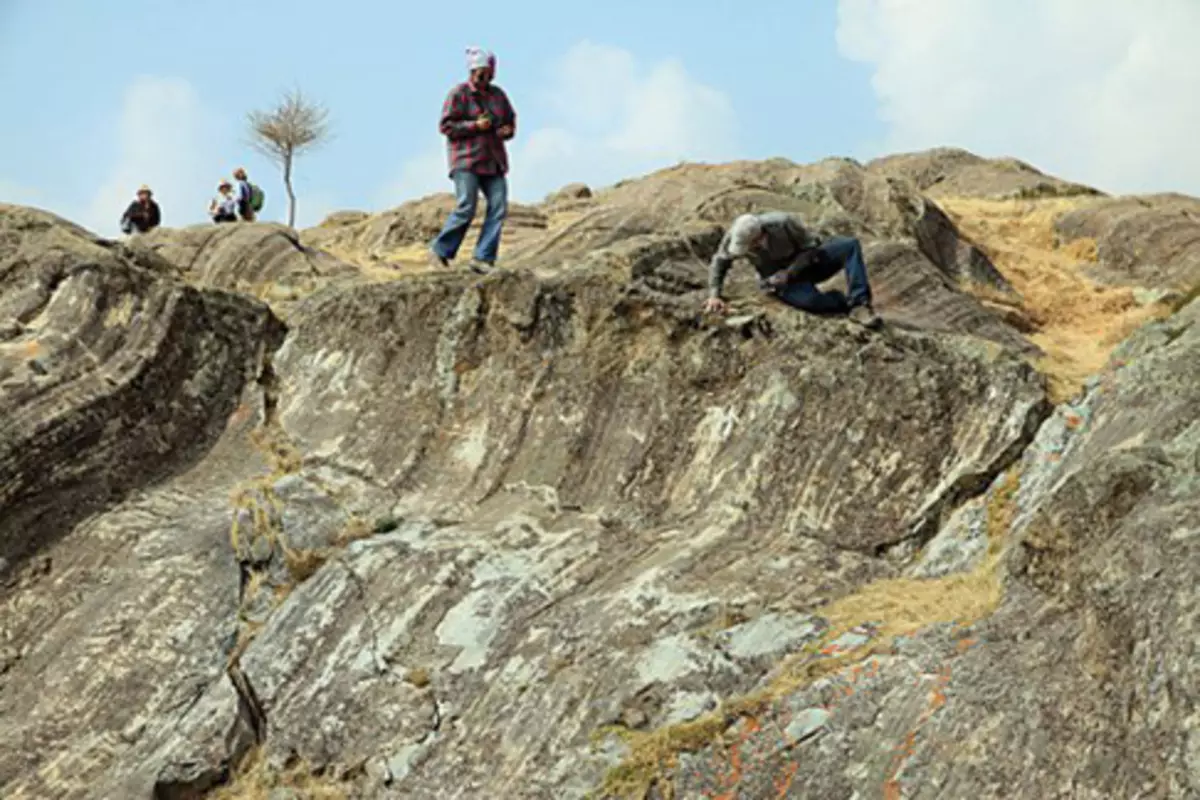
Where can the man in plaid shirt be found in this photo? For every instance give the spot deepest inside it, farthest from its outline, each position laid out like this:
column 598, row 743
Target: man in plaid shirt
column 477, row 120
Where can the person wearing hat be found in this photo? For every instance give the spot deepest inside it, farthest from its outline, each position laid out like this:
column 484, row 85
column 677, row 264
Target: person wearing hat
column 142, row 214
column 791, row 261
column 224, row 207
column 477, row 119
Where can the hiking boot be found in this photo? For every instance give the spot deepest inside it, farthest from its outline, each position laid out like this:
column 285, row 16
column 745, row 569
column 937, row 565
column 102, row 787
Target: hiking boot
column 865, row 315
column 482, row 267
column 436, row 259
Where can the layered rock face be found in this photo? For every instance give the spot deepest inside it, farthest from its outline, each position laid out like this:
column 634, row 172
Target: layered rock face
column 553, row 533
column 267, row 261
column 1082, row 683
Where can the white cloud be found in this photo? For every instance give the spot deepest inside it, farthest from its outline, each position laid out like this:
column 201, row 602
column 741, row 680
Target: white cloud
column 611, row 118
column 420, row 175
column 167, row 141
column 1098, row 91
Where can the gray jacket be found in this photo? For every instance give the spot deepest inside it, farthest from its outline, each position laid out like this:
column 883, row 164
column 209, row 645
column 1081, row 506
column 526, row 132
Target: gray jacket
column 787, row 247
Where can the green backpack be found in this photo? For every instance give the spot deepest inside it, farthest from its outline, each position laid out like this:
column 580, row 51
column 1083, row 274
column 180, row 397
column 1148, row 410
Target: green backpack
column 256, row 197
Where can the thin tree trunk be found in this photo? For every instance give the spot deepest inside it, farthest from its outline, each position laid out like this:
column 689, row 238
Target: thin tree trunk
column 287, row 182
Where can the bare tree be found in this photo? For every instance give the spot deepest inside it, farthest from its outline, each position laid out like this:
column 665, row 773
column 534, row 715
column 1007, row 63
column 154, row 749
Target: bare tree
column 294, row 126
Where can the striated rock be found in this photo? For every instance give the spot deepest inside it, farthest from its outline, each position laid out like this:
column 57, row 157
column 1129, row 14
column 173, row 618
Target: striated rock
column 591, row 560
column 1081, row 683
column 949, row 171
column 1149, row 241
column 443, row 493
column 114, row 375
column 554, row 533
column 266, row 260
column 576, row 354
column 116, row 466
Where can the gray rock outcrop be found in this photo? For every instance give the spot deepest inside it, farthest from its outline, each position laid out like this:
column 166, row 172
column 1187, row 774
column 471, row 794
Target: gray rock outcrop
column 554, row 533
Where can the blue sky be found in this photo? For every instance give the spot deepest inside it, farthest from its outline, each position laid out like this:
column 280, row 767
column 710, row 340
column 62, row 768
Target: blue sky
column 105, row 96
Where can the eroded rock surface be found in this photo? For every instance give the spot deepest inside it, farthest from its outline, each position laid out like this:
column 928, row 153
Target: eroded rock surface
column 950, row 171
column 1149, row 241
column 553, row 533
column 126, row 394
column 1082, row 683
column 591, row 491
column 265, row 260
column 403, row 234
column 113, row 373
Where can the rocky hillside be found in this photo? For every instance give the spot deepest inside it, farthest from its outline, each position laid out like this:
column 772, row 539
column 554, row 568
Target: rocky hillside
column 290, row 516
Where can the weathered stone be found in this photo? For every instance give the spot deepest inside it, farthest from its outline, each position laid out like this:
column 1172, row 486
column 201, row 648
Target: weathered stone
column 1149, row 240
column 1081, row 682
column 139, row 374
column 387, row 237
column 528, row 535
column 265, row 260
column 572, row 192
column 950, row 171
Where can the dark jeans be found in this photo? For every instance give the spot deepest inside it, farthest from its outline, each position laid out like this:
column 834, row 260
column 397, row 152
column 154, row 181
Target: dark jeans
column 467, row 186
column 836, row 254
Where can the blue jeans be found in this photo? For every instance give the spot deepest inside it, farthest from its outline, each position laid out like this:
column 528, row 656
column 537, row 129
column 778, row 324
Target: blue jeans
column 467, row 186
column 836, row 254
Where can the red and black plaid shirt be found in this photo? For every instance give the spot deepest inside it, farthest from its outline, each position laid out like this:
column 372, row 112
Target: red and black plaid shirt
column 481, row 152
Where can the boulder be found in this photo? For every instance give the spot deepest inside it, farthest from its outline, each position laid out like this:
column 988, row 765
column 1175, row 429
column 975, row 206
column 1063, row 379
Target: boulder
column 571, row 193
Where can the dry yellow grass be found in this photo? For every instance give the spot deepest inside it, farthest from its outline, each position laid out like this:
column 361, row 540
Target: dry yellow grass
column 255, row 780
column 1078, row 322
column 413, row 259
column 418, row 677
column 355, row 529
column 894, row 607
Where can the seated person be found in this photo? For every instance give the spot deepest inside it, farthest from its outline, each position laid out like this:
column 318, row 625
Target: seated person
column 224, row 207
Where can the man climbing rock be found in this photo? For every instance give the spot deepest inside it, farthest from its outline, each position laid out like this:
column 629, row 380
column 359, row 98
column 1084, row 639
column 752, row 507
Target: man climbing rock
column 142, row 214
column 477, row 119
column 791, row 261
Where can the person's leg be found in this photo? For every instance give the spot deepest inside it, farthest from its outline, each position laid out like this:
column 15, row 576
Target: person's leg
column 845, row 252
column 495, row 189
column 466, row 189
column 807, row 297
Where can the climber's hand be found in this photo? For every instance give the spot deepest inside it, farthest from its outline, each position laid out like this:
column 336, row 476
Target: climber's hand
column 714, row 305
